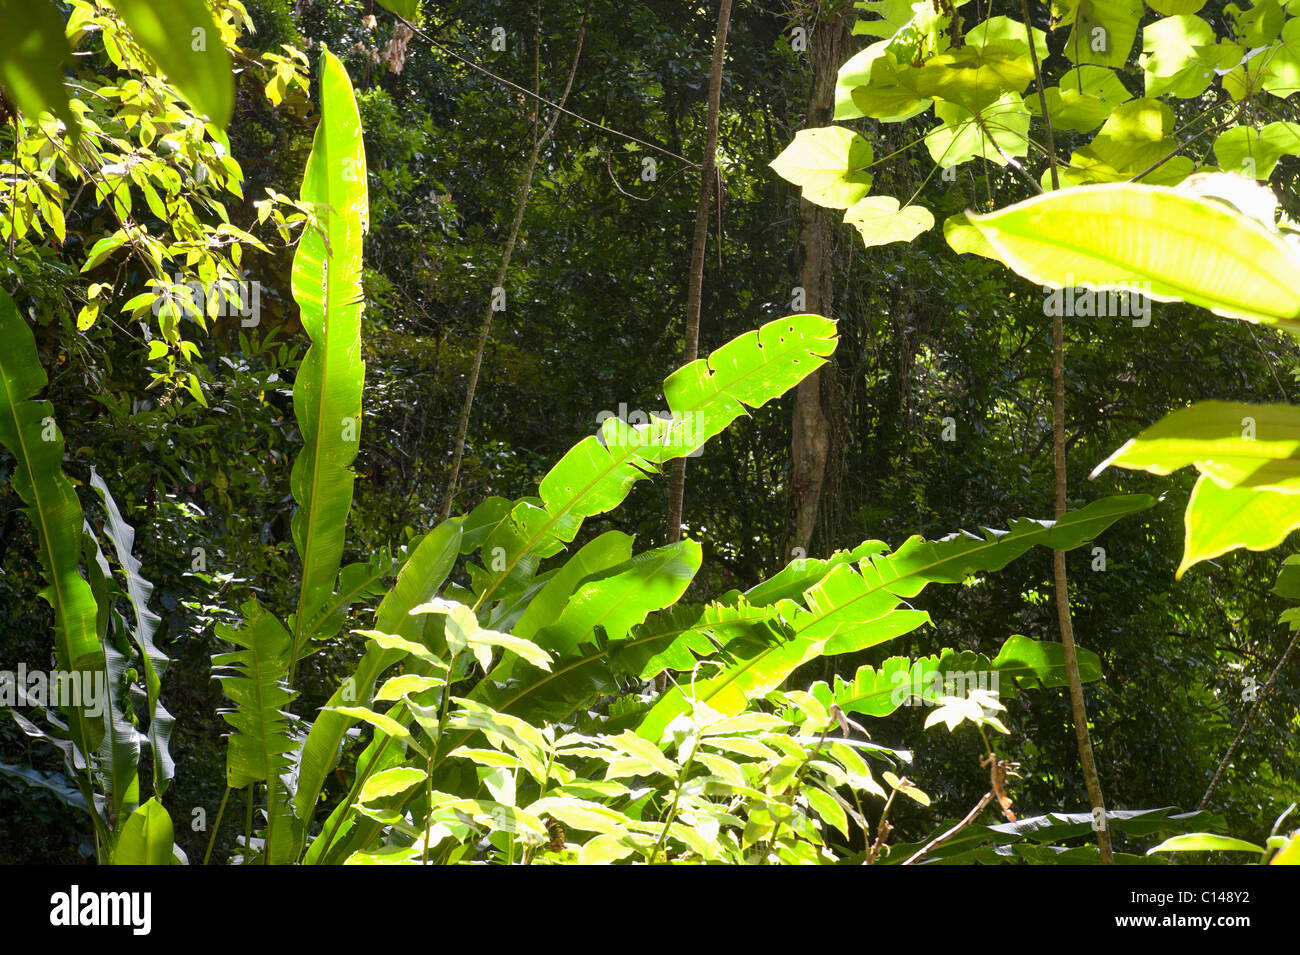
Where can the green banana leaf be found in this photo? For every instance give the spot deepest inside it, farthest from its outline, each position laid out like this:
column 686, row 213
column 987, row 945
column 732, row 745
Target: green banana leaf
column 421, row 577
column 327, row 391
column 596, row 475
column 27, row 429
column 879, row 692
column 153, row 660
column 147, row 837
column 852, row 609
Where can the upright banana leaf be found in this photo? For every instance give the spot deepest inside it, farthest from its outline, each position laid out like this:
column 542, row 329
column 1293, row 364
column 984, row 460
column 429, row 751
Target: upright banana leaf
column 27, row 429
column 327, row 391
column 852, row 609
column 147, row 837
column 596, row 475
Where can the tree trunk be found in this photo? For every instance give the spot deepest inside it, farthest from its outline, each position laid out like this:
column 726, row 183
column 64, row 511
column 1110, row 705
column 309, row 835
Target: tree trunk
column 811, row 433
column 695, row 279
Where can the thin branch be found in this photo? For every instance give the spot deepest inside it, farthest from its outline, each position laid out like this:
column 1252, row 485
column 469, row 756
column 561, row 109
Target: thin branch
column 558, row 107
column 525, row 190
column 1245, row 725
column 940, row 839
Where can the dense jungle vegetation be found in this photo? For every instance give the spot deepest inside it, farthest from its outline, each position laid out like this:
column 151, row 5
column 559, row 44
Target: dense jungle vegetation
column 569, row 431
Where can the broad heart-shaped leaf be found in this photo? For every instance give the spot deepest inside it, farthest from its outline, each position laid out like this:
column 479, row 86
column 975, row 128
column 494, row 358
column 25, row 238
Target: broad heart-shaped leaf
column 852, row 609
column 1254, row 152
column 900, row 681
column 890, row 93
column 1085, row 99
column 1236, row 444
column 879, row 220
column 1180, row 56
column 421, row 577
column 31, row 67
column 27, row 429
column 1120, row 235
column 182, row 37
column 146, row 838
column 829, row 163
column 1005, row 30
column 997, row 130
column 327, row 390
column 1219, row 520
column 596, row 475
column 1103, row 30
column 855, row 72
column 1135, row 137
column 252, row 678
column 1276, row 66
column 975, row 77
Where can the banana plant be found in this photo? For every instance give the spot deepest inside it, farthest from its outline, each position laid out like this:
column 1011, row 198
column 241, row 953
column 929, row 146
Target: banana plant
column 326, row 283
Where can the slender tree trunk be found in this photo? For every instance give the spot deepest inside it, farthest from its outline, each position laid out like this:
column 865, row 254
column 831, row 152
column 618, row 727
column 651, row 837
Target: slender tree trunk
column 525, row 190
column 811, row 430
column 1078, row 709
column 695, row 280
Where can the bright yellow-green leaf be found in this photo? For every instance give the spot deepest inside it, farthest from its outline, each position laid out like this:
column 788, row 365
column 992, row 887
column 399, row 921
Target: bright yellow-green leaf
column 146, row 838
column 1290, row 853
column 379, row 720
column 1103, row 30
column 826, row 806
column 1204, row 841
column 880, row 221
column 829, row 163
column 1124, row 235
column 1254, row 152
column 976, row 77
column 390, row 782
column 1180, row 56
column 602, row 850
column 998, row 130
column 396, row 687
column 1221, row 519
column 1236, row 444
column 891, row 95
column 963, row 237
